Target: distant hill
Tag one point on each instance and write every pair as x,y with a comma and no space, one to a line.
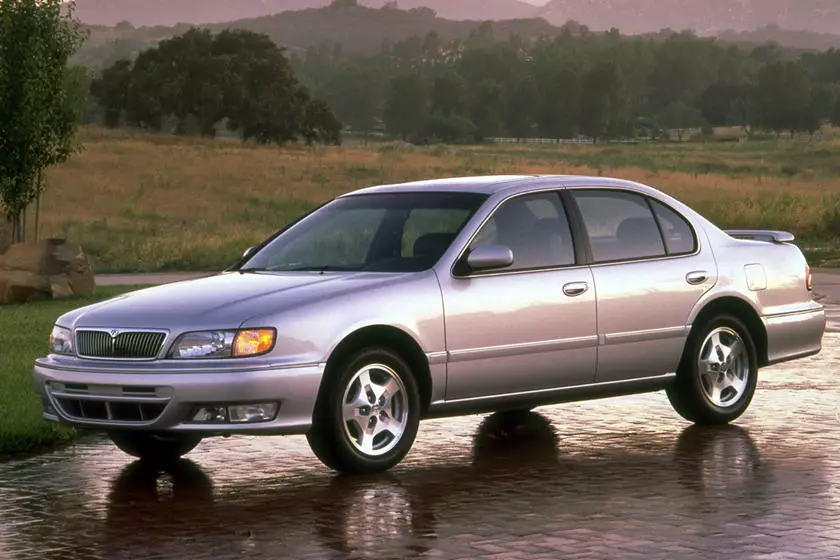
358,29
705,17
630,16
808,40
172,12
362,30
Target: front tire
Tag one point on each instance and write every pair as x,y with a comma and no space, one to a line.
368,414
717,377
154,447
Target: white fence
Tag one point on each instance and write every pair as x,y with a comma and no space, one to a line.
498,140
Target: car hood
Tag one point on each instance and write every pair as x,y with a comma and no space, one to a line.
221,301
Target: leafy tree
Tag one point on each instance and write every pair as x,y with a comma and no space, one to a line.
356,94
719,101
320,124
835,116
559,104
486,108
39,109
521,106
406,106
111,89
202,79
684,67
602,103
783,97
680,117
452,129
449,94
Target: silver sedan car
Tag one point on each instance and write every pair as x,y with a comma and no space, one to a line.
397,303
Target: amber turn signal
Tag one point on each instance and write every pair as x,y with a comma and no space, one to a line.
253,342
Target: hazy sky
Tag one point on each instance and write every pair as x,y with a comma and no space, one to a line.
537,2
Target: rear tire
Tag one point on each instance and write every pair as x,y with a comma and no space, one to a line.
154,447
367,415
717,377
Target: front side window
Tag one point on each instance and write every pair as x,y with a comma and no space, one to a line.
535,228
385,232
620,225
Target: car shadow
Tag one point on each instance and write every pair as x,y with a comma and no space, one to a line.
518,467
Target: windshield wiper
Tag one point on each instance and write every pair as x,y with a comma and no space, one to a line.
252,269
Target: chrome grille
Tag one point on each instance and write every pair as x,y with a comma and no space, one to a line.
128,345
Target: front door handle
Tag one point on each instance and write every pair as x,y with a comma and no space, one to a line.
573,289
697,277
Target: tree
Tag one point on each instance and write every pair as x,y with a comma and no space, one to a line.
602,103
39,114
680,117
835,116
486,108
559,103
355,93
448,94
783,97
111,90
320,124
198,80
521,106
406,106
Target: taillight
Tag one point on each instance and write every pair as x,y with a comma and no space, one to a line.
808,282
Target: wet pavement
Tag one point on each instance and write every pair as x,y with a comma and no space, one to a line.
616,478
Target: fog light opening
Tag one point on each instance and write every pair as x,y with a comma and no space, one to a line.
216,414
260,412
237,413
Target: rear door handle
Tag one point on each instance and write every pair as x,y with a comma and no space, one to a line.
697,277
575,288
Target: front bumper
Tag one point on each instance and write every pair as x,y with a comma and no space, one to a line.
132,397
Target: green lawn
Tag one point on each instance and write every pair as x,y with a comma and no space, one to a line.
24,332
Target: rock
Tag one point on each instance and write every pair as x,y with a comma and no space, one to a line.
46,269
20,286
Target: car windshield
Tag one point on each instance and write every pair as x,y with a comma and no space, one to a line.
381,232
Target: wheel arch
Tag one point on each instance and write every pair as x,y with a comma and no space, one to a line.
744,311
392,338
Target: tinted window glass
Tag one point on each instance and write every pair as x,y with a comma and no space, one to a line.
393,232
620,225
535,229
679,237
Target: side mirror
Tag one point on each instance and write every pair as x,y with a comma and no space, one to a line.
248,252
487,257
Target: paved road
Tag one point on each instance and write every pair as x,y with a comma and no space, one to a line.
618,478
827,284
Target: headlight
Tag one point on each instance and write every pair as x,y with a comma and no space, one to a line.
61,341
222,344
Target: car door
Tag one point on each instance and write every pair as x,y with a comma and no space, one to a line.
650,268
529,326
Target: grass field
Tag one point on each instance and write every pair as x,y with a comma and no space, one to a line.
26,330
140,202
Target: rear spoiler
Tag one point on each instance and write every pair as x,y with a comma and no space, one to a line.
772,236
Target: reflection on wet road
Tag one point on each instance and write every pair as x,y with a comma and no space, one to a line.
618,478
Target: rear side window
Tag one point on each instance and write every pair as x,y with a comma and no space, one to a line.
679,237
620,225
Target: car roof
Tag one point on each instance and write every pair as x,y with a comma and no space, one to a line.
491,184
